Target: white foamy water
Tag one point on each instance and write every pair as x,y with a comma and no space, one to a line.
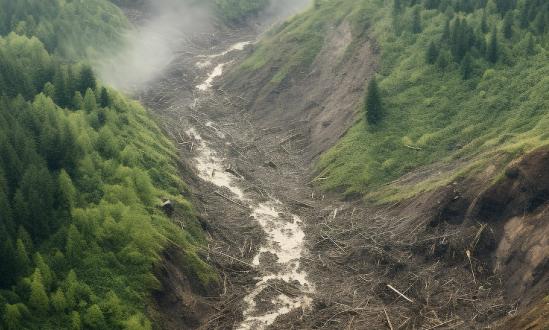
236,47
284,233
210,167
217,72
285,238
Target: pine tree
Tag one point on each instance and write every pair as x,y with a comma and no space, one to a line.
540,22
508,25
12,317
416,20
71,286
49,90
373,106
25,237
67,191
76,324
8,261
45,271
397,7
58,301
94,317
530,45
38,298
466,67
75,244
493,47
90,103
484,22
105,99
78,100
432,53
87,79
446,31
22,257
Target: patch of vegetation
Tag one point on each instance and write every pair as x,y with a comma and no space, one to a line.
69,29
234,11
82,174
459,80
293,46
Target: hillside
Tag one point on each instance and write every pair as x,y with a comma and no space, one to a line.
362,164
452,161
82,175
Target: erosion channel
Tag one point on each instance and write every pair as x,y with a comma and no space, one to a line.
248,188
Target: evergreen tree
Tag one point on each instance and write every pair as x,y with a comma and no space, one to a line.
508,25
75,244
530,45
540,22
90,103
416,20
87,79
105,99
484,22
446,31
22,257
25,237
432,53
76,324
493,47
38,298
397,6
45,271
67,191
49,90
8,260
12,317
93,317
373,106
78,100
58,301
466,67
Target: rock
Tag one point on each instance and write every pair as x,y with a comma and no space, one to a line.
168,207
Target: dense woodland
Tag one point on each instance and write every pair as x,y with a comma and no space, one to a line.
82,174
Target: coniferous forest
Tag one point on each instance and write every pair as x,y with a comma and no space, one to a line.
82,172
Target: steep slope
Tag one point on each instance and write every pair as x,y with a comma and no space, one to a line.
452,174
310,69
83,174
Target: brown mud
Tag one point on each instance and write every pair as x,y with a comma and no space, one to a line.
470,255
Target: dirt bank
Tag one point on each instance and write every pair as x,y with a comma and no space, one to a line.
458,257
323,98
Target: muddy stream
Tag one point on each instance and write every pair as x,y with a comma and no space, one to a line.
283,230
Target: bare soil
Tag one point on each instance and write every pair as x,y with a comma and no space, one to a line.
467,256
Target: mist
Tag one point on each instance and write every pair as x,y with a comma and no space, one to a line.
152,45
281,9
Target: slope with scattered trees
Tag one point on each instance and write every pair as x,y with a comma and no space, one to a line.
459,80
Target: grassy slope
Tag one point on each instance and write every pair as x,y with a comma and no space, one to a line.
503,110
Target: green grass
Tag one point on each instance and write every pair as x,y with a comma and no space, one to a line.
504,110
293,46
459,125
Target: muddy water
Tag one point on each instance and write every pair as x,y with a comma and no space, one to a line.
284,234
